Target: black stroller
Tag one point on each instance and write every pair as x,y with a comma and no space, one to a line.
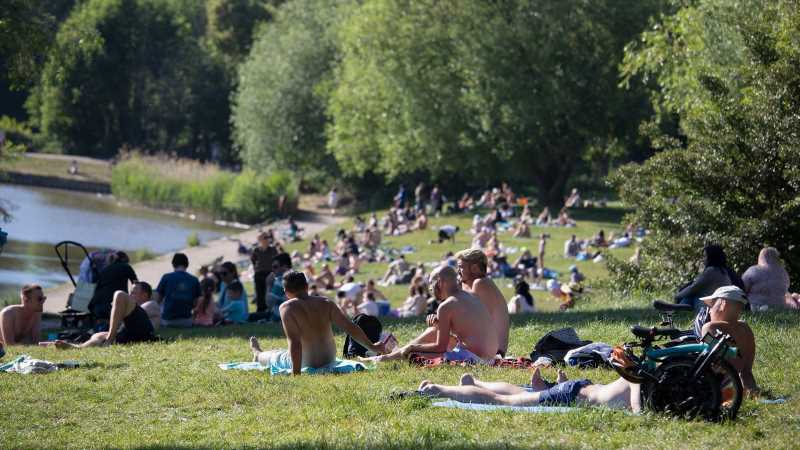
77,319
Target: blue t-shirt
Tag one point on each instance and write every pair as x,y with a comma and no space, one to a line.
178,291
235,310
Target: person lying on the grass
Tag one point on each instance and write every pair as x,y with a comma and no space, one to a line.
21,324
472,265
725,308
307,324
460,329
130,320
620,394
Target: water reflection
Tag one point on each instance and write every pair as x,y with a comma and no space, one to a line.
43,217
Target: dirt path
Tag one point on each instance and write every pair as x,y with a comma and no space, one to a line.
226,247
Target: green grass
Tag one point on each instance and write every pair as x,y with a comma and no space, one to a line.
172,395
99,171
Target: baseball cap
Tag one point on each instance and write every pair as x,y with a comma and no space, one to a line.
730,293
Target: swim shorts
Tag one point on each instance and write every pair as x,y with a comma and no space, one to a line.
562,394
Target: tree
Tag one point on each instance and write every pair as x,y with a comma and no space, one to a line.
731,72
279,106
488,90
231,24
128,72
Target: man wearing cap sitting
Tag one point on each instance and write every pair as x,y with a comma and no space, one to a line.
725,308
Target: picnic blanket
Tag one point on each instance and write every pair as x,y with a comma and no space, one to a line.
339,366
485,407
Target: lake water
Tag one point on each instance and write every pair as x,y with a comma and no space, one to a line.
43,217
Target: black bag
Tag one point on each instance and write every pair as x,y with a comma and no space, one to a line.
556,344
372,328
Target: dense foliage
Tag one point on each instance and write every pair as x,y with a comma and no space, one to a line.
514,90
731,72
279,111
130,72
189,186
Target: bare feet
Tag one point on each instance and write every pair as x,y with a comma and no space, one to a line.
562,377
426,387
467,380
424,384
255,347
537,383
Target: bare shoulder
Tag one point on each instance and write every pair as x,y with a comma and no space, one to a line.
485,285
288,307
10,310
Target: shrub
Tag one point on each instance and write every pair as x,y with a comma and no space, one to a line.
193,239
186,185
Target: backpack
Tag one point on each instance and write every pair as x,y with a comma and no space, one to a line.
556,344
372,328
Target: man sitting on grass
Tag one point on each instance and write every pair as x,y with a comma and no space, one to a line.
472,265
21,324
460,329
132,320
725,308
307,324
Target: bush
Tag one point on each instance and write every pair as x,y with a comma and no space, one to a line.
736,182
193,239
191,186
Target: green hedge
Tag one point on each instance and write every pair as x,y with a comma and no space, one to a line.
246,197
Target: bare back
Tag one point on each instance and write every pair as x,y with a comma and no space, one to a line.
491,297
467,315
309,320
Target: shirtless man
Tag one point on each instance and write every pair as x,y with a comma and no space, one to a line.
725,308
620,394
21,324
307,324
139,315
472,264
458,331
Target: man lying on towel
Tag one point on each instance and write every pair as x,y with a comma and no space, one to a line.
307,324
620,394
461,326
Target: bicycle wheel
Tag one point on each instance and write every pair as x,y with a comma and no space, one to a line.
731,389
679,393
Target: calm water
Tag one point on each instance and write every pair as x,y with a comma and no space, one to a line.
43,217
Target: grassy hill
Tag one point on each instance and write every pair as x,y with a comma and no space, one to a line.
172,395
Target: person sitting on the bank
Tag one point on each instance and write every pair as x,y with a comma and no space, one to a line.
114,277
767,283
178,292
398,272
725,308
230,275
620,394
522,301
564,220
522,230
572,247
461,316
472,268
235,309
421,222
325,279
21,324
527,263
276,293
307,324
131,320
414,305
205,313
544,217
368,306
715,275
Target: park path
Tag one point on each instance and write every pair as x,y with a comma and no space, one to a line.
225,247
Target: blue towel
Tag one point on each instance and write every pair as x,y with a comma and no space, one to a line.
339,366
485,407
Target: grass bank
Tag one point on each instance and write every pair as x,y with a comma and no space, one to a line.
190,186
172,395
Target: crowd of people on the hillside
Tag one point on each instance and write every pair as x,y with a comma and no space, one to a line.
467,315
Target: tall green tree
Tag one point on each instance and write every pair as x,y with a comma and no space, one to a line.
516,89
731,72
231,24
279,107
128,72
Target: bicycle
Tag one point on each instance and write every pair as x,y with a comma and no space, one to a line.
683,376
